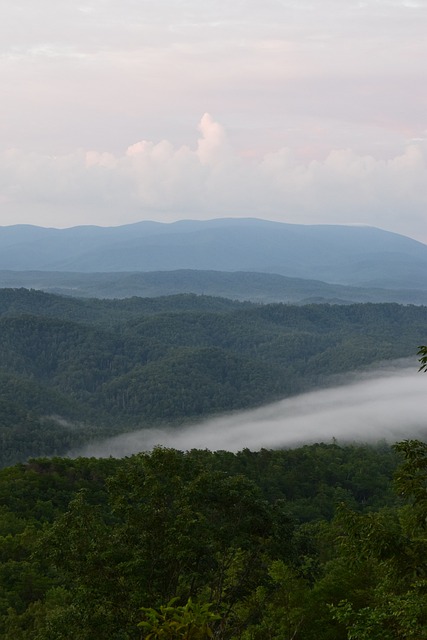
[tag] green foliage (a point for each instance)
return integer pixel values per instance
(84, 544)
(389, 616)
(277, 609)
(411, 479)
(192, 621)
(394, 543)
(422, 352)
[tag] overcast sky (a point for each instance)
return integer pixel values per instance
(300, 111)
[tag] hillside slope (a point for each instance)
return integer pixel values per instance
(72, 370)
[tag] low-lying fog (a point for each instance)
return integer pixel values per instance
(389, 403)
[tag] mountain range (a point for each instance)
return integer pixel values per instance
(342, 255)
(241, 259)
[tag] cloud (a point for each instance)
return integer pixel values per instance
(213, 147)
(213, 179)
(84, 73)
(387, 404)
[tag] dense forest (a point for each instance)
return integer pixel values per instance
(73, 370)
(316, 543)
(323, 542)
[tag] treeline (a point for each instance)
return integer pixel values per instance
(71, 370)
(315, 543)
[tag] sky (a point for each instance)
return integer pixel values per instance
(387, 404)
(299, 111)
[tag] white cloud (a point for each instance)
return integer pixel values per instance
(314, 104)
(387, 404)
(213, 146)
(212, 178)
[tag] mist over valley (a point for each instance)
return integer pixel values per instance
(385, 404)
(110, 367)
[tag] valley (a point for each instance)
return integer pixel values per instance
(210, 451)
(74, 370)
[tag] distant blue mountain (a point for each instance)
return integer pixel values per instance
(357, 256)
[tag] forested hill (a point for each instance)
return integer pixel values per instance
(16, 301)
(309, 544)
(72, 370)
(236, 285)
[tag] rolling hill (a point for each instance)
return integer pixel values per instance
(234, 285)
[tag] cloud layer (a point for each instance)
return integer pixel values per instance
(318, 111)
(212, 179)
(387, 404)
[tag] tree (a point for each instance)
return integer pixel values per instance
(193, 621)
(422, 352)
(395, 545)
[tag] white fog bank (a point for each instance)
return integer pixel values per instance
(387, 404)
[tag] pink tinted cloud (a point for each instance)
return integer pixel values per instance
(211, 178)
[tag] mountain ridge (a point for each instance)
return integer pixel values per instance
(346, 255)
(236, 285)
